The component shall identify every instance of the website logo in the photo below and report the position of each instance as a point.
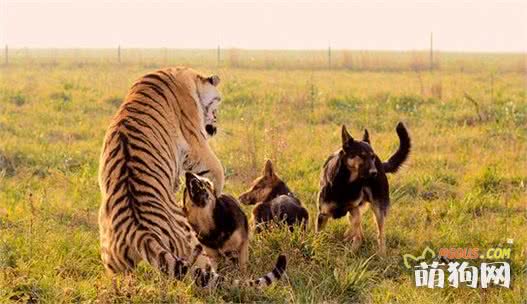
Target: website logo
(457, 267)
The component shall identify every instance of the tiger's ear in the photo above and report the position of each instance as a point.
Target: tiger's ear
(366, 136)
(214, 80)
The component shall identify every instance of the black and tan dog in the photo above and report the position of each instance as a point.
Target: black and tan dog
(220, 224)
(275, 202)
(353, 178)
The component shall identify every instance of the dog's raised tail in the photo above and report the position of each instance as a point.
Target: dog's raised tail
(399, 157)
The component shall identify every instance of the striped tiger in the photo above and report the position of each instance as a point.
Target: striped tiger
(160, 130)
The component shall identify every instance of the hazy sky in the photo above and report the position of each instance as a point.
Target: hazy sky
(391, 25)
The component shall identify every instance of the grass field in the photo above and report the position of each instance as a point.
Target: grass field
(464, 185)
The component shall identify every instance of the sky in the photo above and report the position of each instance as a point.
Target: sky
(457, 25)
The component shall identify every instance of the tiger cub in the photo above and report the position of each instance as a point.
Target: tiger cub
(220, 224)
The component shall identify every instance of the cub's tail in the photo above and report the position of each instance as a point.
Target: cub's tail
(399, 157)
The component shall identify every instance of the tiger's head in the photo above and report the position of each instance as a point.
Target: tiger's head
(204, 89)
(210, 99)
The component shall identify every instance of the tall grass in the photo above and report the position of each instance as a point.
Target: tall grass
(464, 184)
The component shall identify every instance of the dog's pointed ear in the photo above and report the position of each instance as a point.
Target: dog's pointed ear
(268, 169)
(366, 136)
(346, 137)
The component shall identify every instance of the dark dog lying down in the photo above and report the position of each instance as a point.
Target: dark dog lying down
(353, 178)
(275, 202)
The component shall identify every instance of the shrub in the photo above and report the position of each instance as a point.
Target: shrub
(488, 181)
(6, 166)
(18, 98)
(61, 96)
(406, 103)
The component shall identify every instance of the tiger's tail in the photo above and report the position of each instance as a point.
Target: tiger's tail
(273, 276)
(154, 252)
(208, 277)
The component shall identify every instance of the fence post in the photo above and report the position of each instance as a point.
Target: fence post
(6, 58)
(492, 87)
(218, 58)
(329, 57)
(119, 53)
(431, 51)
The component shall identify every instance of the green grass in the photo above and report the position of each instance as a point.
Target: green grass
(464, 185)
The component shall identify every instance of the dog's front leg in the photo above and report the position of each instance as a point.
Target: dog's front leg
(354, 232)
(379, 216)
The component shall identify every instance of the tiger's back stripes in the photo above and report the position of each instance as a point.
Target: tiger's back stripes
(159, 131)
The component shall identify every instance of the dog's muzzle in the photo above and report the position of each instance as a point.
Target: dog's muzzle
(211, 130)
(372, 172)
(246, 199)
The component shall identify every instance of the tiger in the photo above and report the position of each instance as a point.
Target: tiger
(160, 130)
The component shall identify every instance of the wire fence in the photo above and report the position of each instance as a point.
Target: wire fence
(271, 59)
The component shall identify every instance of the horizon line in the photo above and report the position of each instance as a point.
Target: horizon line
(518, 52)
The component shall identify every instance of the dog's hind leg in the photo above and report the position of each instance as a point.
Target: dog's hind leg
(354, 232)
(380, 216)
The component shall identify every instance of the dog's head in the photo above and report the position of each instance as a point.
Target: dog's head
(262, 186)
(358, 156)
(198, 193)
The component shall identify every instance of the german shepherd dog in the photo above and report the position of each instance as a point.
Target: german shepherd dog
(275, 202)
(219, 222)
(353, 178)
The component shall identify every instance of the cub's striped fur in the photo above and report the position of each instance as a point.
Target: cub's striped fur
(159, 131)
